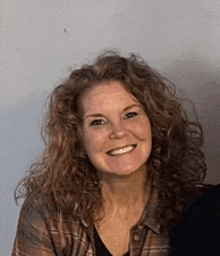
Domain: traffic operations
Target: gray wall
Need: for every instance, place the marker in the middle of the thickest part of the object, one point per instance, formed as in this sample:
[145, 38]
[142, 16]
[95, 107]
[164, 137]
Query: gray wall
[41, 40]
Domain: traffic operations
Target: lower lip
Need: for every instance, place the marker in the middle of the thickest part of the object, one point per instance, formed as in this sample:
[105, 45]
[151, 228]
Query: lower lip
[134, 146]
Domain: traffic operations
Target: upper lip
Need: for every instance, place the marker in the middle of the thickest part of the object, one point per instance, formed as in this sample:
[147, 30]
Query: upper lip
[134, 145]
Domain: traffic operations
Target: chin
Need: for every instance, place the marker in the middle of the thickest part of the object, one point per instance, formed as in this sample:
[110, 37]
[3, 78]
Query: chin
[123, 172]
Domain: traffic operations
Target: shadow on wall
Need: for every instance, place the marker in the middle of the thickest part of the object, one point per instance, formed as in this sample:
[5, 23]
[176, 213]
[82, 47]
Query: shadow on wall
[198, 80]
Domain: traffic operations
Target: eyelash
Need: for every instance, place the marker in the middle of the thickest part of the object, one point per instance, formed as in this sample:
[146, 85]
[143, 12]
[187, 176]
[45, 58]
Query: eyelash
[131, 115]
[98, 122]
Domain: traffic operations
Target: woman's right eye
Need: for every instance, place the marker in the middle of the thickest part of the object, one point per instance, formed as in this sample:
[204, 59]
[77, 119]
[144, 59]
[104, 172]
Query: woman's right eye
[97, 122]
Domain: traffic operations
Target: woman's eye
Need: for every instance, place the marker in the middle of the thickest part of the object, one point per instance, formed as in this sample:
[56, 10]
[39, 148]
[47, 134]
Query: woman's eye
[97, 122]
[131, 114]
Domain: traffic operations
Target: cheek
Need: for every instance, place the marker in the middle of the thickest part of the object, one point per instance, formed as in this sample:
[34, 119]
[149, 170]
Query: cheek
[147, 133]
[88, 144]
[94, 141]
[142, 130]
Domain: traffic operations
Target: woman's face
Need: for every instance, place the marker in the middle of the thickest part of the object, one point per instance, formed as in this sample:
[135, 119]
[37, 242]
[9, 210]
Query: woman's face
[116, 130]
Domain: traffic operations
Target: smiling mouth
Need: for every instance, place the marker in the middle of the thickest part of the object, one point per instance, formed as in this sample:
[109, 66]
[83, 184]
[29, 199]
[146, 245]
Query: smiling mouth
[121, 151]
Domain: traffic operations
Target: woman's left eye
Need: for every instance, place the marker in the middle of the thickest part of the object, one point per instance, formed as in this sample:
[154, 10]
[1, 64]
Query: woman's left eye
[131, 115]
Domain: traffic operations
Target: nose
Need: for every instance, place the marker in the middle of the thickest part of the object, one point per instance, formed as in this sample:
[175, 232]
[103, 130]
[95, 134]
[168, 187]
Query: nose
[117, 131]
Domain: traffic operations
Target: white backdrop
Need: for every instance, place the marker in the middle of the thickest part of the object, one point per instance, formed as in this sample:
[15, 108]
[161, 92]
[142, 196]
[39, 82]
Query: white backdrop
[41, 40]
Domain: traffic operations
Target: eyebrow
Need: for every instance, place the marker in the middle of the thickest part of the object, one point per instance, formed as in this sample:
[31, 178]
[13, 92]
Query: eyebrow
[125, 109]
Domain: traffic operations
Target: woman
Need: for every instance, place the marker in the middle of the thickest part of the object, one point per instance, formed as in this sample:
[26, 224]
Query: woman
[119, 160]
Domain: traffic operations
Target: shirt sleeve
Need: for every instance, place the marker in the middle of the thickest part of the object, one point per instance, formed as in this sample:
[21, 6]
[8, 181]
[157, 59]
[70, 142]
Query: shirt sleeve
[33, 237]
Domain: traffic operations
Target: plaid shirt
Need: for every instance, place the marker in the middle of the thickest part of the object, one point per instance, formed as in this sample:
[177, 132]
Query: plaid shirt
[44, 230]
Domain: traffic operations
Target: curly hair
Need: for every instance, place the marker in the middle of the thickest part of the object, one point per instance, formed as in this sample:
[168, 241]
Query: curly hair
[65, 176]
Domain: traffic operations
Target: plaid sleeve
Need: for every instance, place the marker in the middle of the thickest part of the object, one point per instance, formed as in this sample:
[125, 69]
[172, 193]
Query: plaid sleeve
[32, 237]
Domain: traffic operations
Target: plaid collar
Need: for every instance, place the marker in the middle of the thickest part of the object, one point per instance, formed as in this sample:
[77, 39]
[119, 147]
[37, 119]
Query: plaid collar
[148, 218]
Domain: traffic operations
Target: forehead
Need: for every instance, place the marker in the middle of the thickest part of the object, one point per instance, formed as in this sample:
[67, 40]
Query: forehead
[107, 95]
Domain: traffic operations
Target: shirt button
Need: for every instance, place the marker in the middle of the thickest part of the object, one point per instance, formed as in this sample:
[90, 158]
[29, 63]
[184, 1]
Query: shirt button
[136, 238]
[140, 227]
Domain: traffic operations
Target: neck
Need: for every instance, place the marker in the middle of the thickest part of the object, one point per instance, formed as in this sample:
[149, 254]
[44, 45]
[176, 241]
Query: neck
[124, 191]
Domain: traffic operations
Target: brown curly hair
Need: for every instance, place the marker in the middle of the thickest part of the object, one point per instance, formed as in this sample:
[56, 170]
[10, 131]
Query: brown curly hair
[65, 176]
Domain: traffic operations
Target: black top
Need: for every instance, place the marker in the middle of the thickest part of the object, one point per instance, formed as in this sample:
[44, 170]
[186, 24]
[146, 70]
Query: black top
[101, 249]
[198, 232]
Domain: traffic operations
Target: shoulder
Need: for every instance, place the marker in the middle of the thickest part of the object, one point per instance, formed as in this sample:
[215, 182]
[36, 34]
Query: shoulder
[198, 232]
[205, 200]
[190, 194]
[193, 192]
[35, 208]
[210, 195]
[40, 217]
[44, 227]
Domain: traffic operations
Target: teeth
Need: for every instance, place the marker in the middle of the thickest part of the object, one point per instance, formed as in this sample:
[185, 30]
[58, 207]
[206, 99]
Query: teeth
[121, 150]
